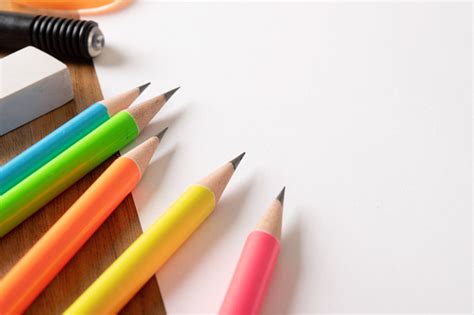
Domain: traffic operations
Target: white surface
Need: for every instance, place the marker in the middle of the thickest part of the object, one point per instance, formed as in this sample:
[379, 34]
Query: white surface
[362, 110]
[32, 83]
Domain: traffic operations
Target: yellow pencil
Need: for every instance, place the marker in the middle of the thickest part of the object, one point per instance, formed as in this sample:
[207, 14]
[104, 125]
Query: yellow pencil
[124, 278]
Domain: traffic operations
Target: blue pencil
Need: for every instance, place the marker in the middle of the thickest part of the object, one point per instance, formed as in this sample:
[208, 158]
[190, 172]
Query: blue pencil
[62, 138]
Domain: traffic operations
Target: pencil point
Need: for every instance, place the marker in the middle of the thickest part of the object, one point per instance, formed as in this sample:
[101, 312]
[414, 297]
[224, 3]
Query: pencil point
[161, 133]
[281, 196]
[142, 88]
[236, 161]
[170, 93]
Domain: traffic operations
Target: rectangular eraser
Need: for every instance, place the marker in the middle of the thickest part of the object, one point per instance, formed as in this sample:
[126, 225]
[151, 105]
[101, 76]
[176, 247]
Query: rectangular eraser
[32, 83]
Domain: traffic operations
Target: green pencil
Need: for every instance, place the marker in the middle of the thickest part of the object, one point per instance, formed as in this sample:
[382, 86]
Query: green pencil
[46, 183]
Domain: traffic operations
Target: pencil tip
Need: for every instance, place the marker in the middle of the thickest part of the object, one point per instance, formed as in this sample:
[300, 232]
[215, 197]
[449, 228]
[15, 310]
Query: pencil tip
[281, 196]
[170, 93]
[142, 88]
[236, 161]
[162, 133]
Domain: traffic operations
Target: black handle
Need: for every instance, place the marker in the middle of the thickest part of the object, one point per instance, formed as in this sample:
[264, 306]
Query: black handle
[54, 35]
[15, 30]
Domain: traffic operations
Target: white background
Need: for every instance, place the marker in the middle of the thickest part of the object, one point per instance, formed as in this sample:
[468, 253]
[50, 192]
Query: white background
[362, 110]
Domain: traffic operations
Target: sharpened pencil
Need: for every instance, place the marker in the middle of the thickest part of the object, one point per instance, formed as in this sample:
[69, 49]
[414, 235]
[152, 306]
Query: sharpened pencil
[52, 252]
[62, 138]
[56, 176]
[254, 270]
[124, 278]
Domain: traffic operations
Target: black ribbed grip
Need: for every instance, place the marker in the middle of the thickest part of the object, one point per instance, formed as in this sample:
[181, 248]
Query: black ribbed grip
[54, 35]
[63, 37]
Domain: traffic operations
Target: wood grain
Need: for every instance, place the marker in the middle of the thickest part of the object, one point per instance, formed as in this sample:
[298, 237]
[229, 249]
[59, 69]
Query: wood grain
[116, 234]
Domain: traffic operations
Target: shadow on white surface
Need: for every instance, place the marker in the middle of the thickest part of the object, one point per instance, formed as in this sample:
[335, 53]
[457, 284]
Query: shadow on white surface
[162, 122]
[110, 57]
[157, 169]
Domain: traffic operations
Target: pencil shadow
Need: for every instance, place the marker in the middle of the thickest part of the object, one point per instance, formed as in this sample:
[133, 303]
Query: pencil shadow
[164, 121]
[182, 264]
[109, 57]
[157, 171]
[286, 274]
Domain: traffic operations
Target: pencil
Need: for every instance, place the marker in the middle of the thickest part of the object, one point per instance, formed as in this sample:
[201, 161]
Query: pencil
[249, 284]
[52, 252]
[62, 138]
[124, 278]
[56, 176]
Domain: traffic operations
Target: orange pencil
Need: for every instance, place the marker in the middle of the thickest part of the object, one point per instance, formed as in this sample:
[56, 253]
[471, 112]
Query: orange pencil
[51, 253]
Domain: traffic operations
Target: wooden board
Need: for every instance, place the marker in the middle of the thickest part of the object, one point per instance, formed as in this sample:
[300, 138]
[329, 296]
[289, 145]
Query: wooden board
[115, 235]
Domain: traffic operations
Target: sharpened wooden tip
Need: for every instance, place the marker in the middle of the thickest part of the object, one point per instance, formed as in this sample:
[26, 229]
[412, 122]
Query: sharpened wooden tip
[142, 153]
[143, 87]
[217, 181]
[236, 161]
[122, 101]
[272, 219]
[145, 111]
[170, 93]
[161, 134]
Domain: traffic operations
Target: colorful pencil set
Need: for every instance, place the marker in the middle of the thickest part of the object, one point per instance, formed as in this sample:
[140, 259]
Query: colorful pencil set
[52, 165]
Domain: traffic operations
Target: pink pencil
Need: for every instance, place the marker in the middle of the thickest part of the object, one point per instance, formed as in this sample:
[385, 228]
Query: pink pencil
[255, 267]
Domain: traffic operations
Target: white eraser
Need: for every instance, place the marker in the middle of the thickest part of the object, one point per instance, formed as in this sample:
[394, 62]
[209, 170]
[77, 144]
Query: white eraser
[32, 83]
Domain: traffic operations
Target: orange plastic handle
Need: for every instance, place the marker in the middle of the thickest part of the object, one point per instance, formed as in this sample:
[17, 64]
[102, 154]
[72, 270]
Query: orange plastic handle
[81, 6]
[64, 5]
[52, 252]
